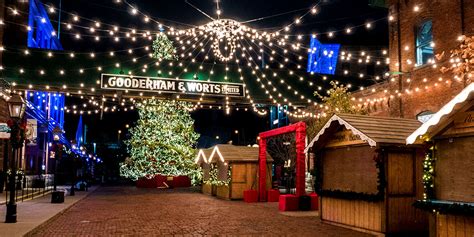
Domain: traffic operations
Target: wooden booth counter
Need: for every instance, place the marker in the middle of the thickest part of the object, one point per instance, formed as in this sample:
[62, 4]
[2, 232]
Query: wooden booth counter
[449, 162]
[366, 177]
[228, 170]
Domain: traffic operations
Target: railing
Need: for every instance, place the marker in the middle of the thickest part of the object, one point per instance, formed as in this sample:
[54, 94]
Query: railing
[29, 187]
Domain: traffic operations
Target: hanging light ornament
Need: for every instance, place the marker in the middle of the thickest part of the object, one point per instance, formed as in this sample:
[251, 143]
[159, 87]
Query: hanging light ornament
[224, 33]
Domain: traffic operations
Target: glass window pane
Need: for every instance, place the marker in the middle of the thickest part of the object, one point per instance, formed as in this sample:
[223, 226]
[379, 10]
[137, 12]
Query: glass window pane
[424, 39]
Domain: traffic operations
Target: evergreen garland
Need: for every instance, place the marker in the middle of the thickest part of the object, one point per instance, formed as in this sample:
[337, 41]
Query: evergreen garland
[429, 174]
[445, 207]
[213, 176]
[163, 48]
[429, 203]
[162, 142]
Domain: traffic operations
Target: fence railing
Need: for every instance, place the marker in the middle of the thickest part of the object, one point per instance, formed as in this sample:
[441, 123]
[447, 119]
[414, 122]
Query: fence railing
[29, 186]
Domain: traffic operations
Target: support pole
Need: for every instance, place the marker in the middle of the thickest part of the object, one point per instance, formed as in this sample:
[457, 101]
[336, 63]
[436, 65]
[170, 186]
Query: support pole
[262, 187]
[300, 159]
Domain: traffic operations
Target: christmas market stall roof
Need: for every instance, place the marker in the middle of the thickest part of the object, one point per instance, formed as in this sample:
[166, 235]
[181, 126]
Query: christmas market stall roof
[229, 153]
[444, 117]
[371, 129]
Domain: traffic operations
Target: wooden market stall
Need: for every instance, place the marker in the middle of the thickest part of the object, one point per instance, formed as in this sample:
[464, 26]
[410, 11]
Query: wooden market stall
[449, 162]
[366, 177]
[228, 170]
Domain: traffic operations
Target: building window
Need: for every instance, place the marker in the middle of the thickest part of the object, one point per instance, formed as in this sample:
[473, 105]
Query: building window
[424, 43]
[424, 116]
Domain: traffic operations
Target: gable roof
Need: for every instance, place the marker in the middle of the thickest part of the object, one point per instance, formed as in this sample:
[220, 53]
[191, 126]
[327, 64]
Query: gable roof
[201, 157]
[229, 153]
[371, 129]
[444, 115]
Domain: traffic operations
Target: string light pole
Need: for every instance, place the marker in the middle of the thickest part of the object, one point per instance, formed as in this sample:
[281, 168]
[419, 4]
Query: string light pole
[218, 9]
[16, 108]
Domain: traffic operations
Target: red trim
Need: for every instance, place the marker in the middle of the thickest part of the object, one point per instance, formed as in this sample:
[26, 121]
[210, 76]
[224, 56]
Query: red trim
[300, 130]
[262, 181]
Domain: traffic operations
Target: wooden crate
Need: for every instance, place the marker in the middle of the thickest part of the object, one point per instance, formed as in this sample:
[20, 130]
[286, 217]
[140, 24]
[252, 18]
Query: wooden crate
[223, 192]
[206, 189]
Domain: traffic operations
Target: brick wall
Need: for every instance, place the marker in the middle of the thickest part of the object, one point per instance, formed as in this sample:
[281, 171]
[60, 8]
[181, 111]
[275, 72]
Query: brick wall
[428, 88]
[4, 116]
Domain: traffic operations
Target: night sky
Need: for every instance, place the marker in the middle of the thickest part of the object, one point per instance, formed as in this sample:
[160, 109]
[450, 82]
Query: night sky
[333, 15]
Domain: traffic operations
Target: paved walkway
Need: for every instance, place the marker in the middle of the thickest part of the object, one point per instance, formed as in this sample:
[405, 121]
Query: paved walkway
[127, 211]
[33, 213]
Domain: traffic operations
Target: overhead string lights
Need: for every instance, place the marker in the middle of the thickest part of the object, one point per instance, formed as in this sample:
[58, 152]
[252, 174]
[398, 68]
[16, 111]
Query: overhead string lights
[229, 41]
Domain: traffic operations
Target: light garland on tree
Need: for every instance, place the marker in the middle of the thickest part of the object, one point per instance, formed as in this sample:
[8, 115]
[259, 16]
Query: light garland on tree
[163, 48]
[162, 141]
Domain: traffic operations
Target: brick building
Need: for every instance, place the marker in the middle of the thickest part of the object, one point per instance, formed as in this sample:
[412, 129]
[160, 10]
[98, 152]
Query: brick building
[4, 116]
[418, 30]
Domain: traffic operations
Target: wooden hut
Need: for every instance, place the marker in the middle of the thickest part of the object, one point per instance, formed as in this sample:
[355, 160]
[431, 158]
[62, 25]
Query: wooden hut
[449, 166]
[366, 177]
[228, 170]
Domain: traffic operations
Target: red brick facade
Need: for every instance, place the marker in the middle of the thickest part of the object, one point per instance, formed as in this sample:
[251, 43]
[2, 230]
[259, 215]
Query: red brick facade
[3, 105]
[419, 88]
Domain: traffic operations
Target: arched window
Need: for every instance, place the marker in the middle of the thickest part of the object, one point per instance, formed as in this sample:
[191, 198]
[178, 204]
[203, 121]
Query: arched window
[424, 43]
[424, 116]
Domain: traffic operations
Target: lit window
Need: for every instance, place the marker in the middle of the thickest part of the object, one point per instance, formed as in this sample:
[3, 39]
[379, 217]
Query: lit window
[424, 43]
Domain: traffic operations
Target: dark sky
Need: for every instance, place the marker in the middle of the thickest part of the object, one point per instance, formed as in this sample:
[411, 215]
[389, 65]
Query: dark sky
[333, 15]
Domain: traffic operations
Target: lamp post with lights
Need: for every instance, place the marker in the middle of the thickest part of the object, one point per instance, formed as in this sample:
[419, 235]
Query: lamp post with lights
[16, 109]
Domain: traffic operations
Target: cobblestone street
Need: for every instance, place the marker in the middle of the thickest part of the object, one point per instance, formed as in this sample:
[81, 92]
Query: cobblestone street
[127, 211]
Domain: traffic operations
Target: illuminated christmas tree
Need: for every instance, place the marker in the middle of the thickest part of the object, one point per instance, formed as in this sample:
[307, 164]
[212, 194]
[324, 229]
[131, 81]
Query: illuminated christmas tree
[163, 142]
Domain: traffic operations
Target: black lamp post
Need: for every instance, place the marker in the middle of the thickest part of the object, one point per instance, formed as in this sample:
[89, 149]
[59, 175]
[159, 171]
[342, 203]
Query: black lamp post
[57, 196]
[16, 109]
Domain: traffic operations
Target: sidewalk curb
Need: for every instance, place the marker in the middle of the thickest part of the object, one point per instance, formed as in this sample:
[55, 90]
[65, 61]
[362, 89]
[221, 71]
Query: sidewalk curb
[37, 228]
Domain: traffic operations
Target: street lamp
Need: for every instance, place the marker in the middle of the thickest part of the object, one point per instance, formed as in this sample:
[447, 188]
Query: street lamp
[16, 109]
[57, 196]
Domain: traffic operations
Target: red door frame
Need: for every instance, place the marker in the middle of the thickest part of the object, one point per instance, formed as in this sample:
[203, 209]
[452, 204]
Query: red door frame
[300, 130]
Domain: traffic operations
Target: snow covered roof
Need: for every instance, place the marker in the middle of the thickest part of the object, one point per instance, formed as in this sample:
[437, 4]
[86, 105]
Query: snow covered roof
[443, 115]
[371, 129]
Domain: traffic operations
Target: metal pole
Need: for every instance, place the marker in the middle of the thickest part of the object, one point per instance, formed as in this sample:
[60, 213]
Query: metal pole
[11, 216]
[59, 18]
[5, 165]
[55, 164]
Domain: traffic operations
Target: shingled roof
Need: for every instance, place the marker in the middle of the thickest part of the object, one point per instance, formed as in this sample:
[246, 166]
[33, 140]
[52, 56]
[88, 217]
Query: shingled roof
[372, 129]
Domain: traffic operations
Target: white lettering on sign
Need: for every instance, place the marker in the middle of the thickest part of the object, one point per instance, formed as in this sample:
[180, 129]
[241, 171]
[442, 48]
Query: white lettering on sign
[149, 84]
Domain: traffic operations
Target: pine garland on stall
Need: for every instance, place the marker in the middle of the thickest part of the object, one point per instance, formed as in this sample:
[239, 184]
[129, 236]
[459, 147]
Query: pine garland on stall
[429, 174]
[163, 142]
[214, 179]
